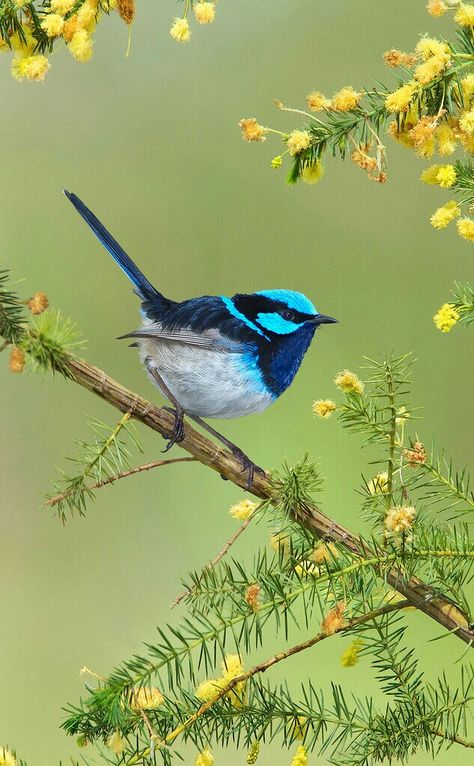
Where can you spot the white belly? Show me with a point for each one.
(212, 384)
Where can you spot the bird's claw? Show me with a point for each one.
(247, 466)
(177, 433)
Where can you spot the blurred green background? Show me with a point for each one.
(152, 145)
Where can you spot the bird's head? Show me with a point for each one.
(274, 314)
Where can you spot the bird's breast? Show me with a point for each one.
(208, 383)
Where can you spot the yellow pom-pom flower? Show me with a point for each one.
(464, 15)
(446, 317)
(345, 99)
(180, 30)
(466, 122)
(86, 15)
(324, 408)
(81, 45)
(430, 46)
(430, 175)
(204, 758)
(115, 743)
(444, 135)
(443, 216)
(300, 757)
(146, 698)
(298, 141)
(243, 510)
(61, 6)
(350, 656)
(313, 172)
(400, 100)
(349, 382)
(251, 130)
(466, 228)
(53, 24)
(433, 67)
(436, 8)
(446, 176)
(317, 101)
(399, 519)
(204, 12)
(30, 68)
(6, 757)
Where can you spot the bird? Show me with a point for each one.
(216, 356)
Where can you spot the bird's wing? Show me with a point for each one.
(210, 340)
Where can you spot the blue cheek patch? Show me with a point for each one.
(275, 323)
(230, 306)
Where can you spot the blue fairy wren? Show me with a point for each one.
(213, 356)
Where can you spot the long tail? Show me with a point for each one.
(143, 287)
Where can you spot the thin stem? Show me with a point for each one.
(391, 448)
(228, 544)
(125, 474)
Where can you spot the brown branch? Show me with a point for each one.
(228, 544)
(420, 595)
(131, 472)
(453, 738)
(262, 667)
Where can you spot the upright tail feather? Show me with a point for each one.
(143, 286)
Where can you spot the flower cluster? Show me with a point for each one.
(204, 13)
(231, 668)
(350, 656)
(431, 110)
(243, 509)
(446, 317)
(32, 36)
(399, 519)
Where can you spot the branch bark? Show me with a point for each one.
(419, 594)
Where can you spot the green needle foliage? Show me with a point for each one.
(196, 680)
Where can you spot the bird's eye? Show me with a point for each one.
(288, 315)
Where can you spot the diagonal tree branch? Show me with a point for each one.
(420, 595)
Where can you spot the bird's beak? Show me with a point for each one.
(323, 319)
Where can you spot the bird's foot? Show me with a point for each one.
(177, 433)
(248, 465)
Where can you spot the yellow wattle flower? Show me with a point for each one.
(180, 30)
(7, 758)
(298, 141)
(30, 68)
(445, 214)
(466, 122)
(204, 758)
(349, 382)
(61, 6)
(53, 24)
(81, 45)
(446, 176)
(464, 16)
(466, 228)
(324, 408)
(243, 509)
(446, 317)
(313, 172)
(400, 100)
(345, 99)
(317, 101)
(204, 12)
